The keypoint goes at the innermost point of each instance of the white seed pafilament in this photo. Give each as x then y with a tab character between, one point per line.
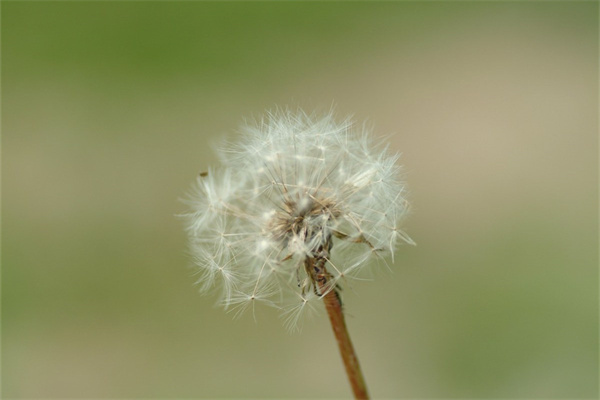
294	189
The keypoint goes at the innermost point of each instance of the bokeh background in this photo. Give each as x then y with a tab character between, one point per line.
109	112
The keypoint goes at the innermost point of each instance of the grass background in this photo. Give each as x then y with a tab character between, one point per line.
108	113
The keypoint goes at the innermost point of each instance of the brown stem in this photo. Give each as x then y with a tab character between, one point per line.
336	316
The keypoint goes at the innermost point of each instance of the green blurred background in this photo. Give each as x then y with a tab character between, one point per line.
109	112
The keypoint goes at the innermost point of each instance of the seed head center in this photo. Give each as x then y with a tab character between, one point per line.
303	221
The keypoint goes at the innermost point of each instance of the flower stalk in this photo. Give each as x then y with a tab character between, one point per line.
335	311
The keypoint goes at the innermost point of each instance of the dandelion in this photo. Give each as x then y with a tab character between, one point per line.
300	207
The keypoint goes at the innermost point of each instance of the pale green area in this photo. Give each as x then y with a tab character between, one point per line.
109	111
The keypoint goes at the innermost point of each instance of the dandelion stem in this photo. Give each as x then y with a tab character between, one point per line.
336	316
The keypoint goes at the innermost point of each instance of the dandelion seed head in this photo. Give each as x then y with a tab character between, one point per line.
294	187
